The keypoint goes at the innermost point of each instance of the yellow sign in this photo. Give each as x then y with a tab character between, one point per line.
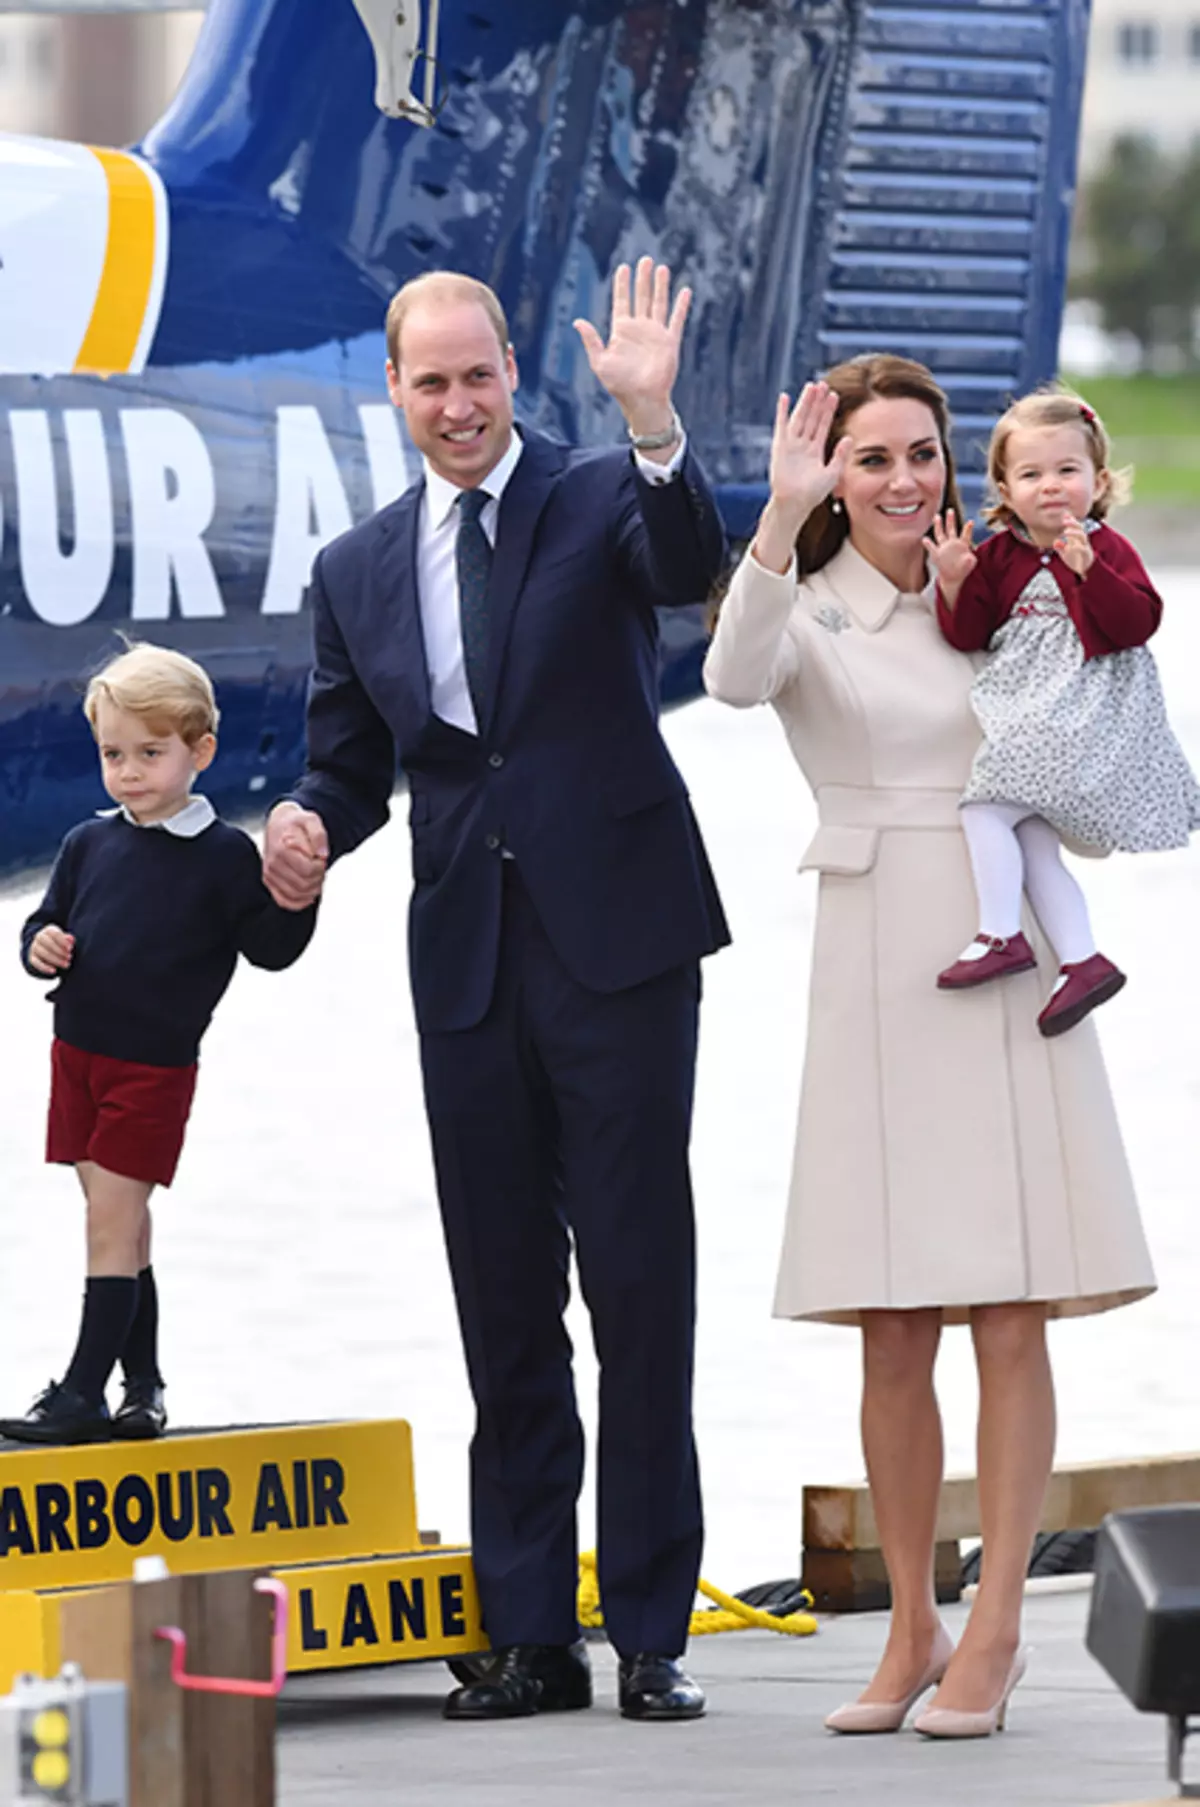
396	1609
347	1614
220	1500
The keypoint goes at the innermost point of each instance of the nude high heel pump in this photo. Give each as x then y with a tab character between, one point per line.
889	1715
950	1722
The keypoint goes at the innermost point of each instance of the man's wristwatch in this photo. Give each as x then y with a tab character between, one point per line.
658	442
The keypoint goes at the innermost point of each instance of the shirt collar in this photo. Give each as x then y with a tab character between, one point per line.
187	822
871	597
441	496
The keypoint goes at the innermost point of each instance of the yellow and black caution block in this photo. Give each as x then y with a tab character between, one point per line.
329	1508
215	1500
391	1610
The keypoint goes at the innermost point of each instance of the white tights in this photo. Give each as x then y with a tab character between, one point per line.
1012	849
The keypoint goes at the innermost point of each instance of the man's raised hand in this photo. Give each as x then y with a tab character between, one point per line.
640	362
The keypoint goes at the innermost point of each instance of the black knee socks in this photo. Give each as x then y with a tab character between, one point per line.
139	1357
109	1307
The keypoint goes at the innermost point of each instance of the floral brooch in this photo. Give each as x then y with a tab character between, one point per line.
832	619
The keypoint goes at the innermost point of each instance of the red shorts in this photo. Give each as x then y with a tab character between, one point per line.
124	1116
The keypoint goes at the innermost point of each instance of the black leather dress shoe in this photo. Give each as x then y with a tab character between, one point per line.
142	1413
60	1415
657	1687
523	1679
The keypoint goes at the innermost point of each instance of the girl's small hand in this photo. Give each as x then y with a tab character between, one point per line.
51	950
951	553
1074	547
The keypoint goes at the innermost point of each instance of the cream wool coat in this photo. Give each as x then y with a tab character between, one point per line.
947	1154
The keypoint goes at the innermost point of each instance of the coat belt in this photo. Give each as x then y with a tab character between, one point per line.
863	806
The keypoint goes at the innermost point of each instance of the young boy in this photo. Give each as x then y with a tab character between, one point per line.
147	910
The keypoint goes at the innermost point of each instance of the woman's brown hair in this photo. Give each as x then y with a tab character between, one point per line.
875	376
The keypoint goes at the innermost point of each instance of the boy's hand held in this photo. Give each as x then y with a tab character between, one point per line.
51	950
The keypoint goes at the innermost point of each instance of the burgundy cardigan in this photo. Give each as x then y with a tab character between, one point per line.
1114	606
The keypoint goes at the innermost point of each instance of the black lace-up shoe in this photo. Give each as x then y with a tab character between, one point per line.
60	1415
141	1413
657	1687
523	1679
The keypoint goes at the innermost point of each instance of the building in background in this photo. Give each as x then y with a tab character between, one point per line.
1143	76
104	79
30	69
100	78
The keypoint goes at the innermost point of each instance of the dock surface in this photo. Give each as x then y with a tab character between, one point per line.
376	1739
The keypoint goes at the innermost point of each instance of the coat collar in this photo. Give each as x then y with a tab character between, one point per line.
871	598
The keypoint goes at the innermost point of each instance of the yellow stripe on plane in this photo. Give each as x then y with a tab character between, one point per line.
125	283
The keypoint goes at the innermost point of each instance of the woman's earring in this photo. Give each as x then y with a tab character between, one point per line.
836	505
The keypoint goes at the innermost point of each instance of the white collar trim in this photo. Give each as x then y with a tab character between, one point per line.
188	822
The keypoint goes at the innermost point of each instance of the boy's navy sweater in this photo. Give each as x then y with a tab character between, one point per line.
159	921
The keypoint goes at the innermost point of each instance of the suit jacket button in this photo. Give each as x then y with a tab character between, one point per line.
491	842
495	760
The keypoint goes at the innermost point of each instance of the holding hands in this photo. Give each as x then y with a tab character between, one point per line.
1074	547
801	475
952	555
640	362
295	855
51	950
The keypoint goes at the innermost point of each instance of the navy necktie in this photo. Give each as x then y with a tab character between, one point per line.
473	556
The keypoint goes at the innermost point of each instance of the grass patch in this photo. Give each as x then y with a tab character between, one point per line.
1154	424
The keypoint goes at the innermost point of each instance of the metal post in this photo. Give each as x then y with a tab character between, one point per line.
1177	1736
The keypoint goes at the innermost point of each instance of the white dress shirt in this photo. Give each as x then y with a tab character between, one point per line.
437	573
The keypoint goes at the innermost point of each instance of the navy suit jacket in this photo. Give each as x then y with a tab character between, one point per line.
569	771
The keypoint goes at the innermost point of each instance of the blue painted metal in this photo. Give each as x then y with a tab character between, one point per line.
830	175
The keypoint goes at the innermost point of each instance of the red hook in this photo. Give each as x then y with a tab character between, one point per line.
217	1684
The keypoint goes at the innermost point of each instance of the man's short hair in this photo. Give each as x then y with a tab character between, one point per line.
166	689
442	285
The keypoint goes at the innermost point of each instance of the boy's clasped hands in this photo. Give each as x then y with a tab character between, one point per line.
51	950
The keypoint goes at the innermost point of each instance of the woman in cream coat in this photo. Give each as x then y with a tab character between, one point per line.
952	1165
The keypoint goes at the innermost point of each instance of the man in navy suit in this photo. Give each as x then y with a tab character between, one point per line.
495	629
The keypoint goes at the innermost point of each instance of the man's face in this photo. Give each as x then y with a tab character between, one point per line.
455	386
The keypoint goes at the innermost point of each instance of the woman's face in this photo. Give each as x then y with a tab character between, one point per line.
896	478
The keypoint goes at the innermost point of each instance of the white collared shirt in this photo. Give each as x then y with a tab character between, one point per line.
187	822
437	573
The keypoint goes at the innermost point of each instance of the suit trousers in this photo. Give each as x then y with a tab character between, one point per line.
564	1117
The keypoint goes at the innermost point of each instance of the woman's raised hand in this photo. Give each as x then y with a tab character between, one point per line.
951	554
801	474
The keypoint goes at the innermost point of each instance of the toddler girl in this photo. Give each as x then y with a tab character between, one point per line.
1076	743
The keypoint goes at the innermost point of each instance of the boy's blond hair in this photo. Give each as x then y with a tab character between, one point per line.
169	691
1054	406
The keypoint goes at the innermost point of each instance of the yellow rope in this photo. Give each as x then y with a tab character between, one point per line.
734	1616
